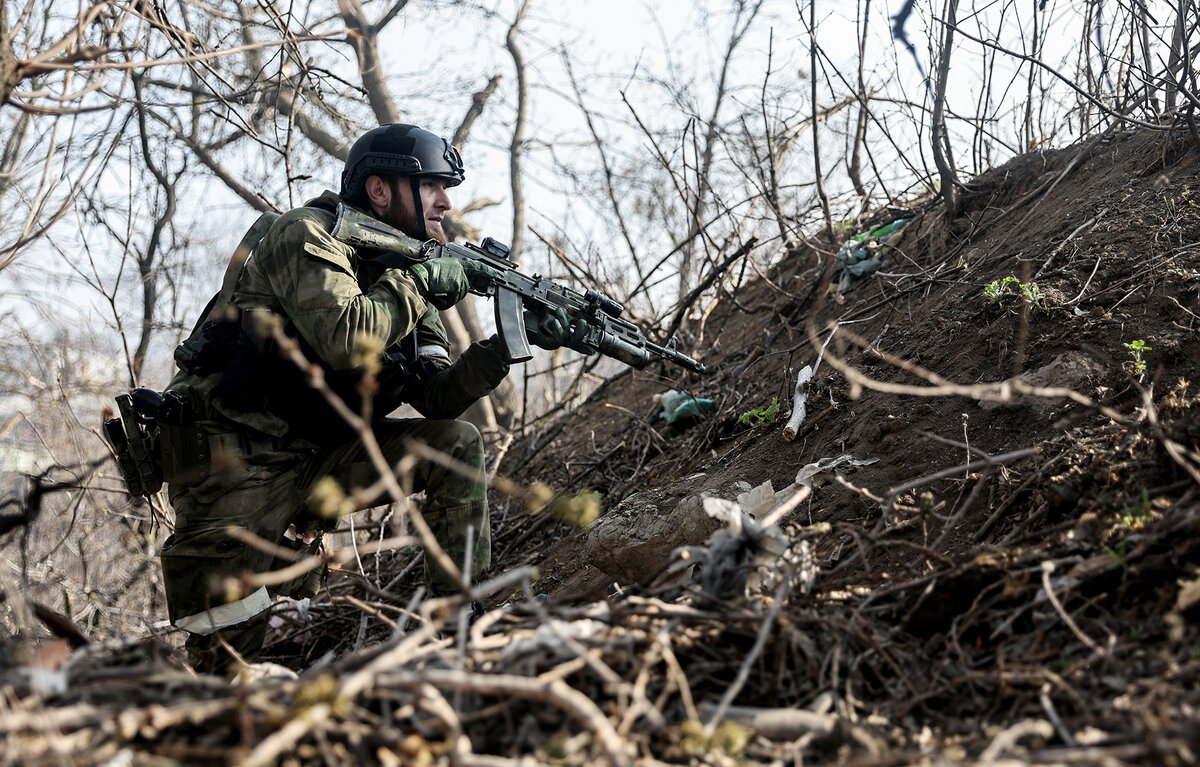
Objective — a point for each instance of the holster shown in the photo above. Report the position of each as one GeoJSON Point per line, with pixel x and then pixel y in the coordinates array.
{"type": "Point", "coordinates": [134, 439]}
{"type": "Point", "coordinates": [156, 440]}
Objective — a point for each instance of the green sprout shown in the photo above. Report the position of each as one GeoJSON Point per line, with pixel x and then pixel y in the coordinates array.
{"type": "Point", "coordinates": [997, 290]}
{"type": "Point", "coordinates": [1136, 365]}
{"type": "Point", "coordinates": [1138, 514]}
{"type": "Point", "coordinates": [1118, 554]}
{"type": "Point", "coordinates": [1031, 295]}
{"type": "Point", "coordinates": [760, 416]}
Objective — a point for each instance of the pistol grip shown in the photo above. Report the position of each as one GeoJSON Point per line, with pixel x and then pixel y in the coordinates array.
{"type": "Point", "coordinates": [510, 321]}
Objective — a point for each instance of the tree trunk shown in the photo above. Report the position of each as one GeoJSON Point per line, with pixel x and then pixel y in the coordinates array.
{"type": "Point", "coordinates": [365, 39]}
{"type": "Point", "coordinates": [860, 126]}
{"type": "Point", "coordinates": [8, 59]}
{"type": "Point", "coordinates": [687, 265]}
{"type": "Point", "coordinates": [516, 149]}
{"type": "Point", "coordinates": [817, 175]}
{"type": "Point", "coordinates": [1175, 58]}
{"type": "Point", "coordinates": [942, 156]}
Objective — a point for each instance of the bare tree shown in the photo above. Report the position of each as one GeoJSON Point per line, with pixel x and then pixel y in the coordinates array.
{"type": "Point", "coordinates": [942, 151]}
{"type": "Point", "coordinates": [818, 177]}
{"type": "Point", "coordinates": [516, 148]}
{"type": "Point", "coordinates": [744, 15]}
{"type": "Point", "coordinates": [854, 169]}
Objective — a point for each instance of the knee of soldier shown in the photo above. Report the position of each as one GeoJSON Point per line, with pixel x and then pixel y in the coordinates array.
{"type": "Point", "coordinates": [460, 440]}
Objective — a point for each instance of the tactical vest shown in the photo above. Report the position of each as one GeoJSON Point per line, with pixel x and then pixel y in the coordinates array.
{"type": "Point", "coordinates": [256, 375]}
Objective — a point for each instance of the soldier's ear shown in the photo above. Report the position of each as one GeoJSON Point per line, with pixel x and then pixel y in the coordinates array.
{"type": "Point", "coordinates": [379, 193]}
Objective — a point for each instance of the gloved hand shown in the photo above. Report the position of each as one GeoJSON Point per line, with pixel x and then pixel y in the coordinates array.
{"type": "Point", "coordinates": [553, 330]}
{"type": "Point", "coordinates": [445, 281]}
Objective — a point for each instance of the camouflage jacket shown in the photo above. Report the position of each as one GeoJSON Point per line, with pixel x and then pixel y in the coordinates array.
{"type": "Point", "coordinates": [331, 297]}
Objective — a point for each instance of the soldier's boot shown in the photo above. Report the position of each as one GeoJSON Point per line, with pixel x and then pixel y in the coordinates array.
{"type": "Point", "coordinates": [208, 655]}
{"type": "Point", "coordinates": [450, 528]}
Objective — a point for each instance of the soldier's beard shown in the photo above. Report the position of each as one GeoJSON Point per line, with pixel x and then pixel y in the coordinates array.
{"type": "Point", "coordinates": [404, 218]}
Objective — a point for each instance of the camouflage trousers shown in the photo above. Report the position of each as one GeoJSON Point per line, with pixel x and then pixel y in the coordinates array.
{"type": "Point", "coordinates": [265, 491]}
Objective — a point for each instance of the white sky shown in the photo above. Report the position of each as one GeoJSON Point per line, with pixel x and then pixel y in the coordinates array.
{"type": "Point", "coordinates": [436, 58]}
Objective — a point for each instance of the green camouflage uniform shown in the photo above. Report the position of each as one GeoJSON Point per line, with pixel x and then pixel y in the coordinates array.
{"type": "Point", "coordinates": [269, 450]}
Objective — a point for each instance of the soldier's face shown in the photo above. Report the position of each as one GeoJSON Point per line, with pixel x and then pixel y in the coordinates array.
{"type": "Point", "coordinates": [434, 203]}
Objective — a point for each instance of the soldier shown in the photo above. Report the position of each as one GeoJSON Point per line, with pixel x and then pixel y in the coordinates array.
{"type": "Point", "coordinates": [267, 437]}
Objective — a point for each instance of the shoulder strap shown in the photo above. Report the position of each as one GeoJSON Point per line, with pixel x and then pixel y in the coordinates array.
{"type": "Point", "coordinates": [207, 348]}
{"type": "Point", "coordinates": [241, 256]}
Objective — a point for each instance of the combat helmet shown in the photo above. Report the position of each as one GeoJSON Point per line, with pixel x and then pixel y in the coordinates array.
{"type": "Point", "coordinates": [398, 149]}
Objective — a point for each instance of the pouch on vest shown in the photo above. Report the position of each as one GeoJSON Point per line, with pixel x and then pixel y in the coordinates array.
{"type": "Point", "coordinates": [184, 447]}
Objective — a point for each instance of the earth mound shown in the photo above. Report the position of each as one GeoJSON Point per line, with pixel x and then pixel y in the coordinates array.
{"type": "Point", "coordinates": [983, 543]}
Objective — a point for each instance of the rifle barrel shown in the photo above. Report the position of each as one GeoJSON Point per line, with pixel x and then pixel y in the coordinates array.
{"type": "Point", "coordinates": [678, 358]}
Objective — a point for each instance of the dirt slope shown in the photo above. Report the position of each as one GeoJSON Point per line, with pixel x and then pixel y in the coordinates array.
{"type": "Point", "coordinates": [1120, 218]}
{"type": "Point", "coordinates": [1013, 579]}
{"type": "Point", "coordinates": [1109, 231]}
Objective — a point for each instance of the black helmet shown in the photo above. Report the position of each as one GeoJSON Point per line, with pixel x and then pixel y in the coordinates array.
{"type": "Point", "coordinates": [399, 150]}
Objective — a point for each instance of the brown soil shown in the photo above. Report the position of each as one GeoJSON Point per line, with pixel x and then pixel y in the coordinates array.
{"type": "Point", "coordinates": [1006, 582]}
{"type": "Point", "coordinates": [1110, 230]}
{"type": "Point", "coordinates": [1137, 202]}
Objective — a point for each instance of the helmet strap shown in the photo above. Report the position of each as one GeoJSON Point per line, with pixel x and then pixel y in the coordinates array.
{"type": "Point", "coordinates": [415, 182]}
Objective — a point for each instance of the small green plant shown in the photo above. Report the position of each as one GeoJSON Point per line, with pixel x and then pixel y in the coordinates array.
{"type": "Point", "coordinates": [1138, 514]}
{"type": "Point", "coordinates": [1137, 364]}
{"type": "Point", "coordinates": [997, 290]}
{"type": "Point", "coordinates": [760, 416]}
{"type": "Point", "coordinates": [1185, 199]}
{"type": "Point", "coordinates": [1031, 294]}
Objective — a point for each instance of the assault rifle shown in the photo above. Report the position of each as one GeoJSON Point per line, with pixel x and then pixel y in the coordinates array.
{"type": "Point", "coordinates": [513, 292]}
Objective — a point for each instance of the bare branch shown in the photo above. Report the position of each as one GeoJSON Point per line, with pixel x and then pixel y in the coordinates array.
{"type": "Point", "coordinates": [608, 172]}
{"type": "Point", "coordinates": [391, 14]}
{"type": "Point", "coordinates": [942, 155]}
{"type": "Point", "coordinates": [817, 175]}
{"type": "Point", "coordinates": [479, 100]}
{"type": "Point", "coordinates": [516, 148]}
{"type": "Point", "coordinates": [365, 39]}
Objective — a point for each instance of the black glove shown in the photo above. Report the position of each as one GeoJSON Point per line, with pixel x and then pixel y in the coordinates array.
{"type": "Point", "coordinates": [553, 330]}
{"type": "Point", "coordinates": [445, 281]}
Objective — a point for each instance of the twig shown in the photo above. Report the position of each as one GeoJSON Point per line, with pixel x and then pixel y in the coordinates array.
{"type": "Point", "coordinates": [366, 435]}
{"type": "Point", "coordinates": [1001, 391]}
{"type": "Point", "coordinates": [555, 693]}
{"type": "Point", "coordinates": [781, 595]}
{"type": "Point", "coordinates": [1047, 568]}
{"type": "Point", "coordinates": [1086, 224]}
{"type": "Point", "coordinates": [1082, 290]}
{"type": "Point", "coordinates": [685, 303]}
{"type": "Point", "coordinates": [268, 751]}
{"type": "Point", "coordinates": [967, 467]}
